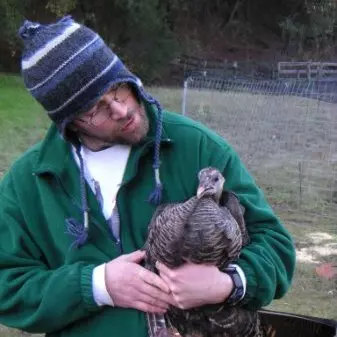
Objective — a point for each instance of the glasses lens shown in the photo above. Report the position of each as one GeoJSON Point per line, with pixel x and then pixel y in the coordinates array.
{"type": "Point", "coordinates": [103, 111]}
{"type": "Point", "coordinates": [122, 92]}
{"type": "Point", "coordinates": [101, 116]}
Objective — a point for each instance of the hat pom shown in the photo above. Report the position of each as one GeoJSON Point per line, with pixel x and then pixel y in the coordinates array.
{"type": "Point", "coordinates": [28, 29]}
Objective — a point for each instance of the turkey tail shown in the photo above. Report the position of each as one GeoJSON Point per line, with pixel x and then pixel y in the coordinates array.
{"type": "Point", "coordinates": [157, 325]}
{"type": "Point", "coordinates": [283, 324]}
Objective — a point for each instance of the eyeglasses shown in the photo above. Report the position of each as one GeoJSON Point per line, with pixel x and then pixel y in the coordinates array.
{"type": "Point", "coordinates": [102, 110]}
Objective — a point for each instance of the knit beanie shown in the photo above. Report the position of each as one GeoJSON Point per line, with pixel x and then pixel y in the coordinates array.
{"type": "Point", "coordinates": [67, 67]}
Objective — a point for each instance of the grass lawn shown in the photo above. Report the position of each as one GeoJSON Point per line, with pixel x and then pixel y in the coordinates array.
{"type": "Point", "coordinates": [21, 120]}
{"type": "Point", "coordinates": [303, 195]}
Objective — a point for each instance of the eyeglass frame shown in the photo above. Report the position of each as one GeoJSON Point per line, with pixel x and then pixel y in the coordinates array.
{"type": "Point", "coordinates": [107, 106]}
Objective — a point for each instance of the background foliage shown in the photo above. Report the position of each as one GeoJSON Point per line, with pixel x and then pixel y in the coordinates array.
{"type": "Point", "coordinates": [150, 34]}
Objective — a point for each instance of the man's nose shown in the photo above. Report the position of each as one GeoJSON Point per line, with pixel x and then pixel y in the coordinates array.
{"type": "Point", "coordinates": [119, 109]}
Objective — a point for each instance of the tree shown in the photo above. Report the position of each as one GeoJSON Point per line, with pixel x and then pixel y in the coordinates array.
{"type": "Point", "coordinates": [311, 27]}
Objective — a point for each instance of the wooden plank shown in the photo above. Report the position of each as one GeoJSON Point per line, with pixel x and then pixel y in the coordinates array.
{"type": "Point", "coordinates": [310, 69]}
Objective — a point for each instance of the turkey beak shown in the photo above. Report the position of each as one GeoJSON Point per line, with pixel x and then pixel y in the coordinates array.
{"type": "Point", "coordinates": [201, 191]}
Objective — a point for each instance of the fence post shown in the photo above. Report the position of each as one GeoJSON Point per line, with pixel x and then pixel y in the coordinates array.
{"type": "Point", "coordinates": [183, 108]}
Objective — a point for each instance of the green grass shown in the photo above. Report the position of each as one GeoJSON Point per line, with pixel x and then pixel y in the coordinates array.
{"type": "Point", "coordinates": [22, 121]}
{"type": "Point", "coordinates": [272, 137]}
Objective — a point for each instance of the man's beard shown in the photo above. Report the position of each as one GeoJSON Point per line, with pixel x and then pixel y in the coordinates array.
{"type": "Point", "coordinates": [139, 133]}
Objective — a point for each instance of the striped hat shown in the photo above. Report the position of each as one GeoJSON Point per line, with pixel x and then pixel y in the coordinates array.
{"type": "Point", "coordinates": [67, 67]}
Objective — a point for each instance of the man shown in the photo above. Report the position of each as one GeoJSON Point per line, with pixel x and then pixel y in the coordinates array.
{"type": "Point", "coordinates": [74, 209]}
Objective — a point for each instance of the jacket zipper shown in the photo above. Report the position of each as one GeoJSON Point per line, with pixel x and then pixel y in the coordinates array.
{"type": "Point", "coordinates": [141, 153]}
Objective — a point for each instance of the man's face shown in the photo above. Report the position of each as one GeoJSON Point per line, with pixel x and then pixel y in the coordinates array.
{"type": "Point", "coordinates": [117, 117]}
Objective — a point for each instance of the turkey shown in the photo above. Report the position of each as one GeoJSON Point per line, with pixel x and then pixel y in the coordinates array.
{"type": "Point", "coordinates": [207, 228]}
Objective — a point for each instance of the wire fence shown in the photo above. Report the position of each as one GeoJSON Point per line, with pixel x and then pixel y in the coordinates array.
{"type": "Point", "coordinates": [285, 131]}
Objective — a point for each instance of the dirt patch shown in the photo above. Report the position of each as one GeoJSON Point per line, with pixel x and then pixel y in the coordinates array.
{"type": "Point", "coordinates": [318, 237]}
{"type": "Point", "coordinates": [320, 245]}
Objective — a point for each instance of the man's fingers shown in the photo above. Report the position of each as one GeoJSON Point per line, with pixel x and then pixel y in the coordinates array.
{"type": "Point", "coordinates": [168, 282]}
{"type": "Point", "coordinates": [153, 301]}
{"type": "Point", "coordinates": [162, 268]}
{"type": "Point", "coordinates": [167, 274]}
{"type": "Point", "coordinates": [142, 306]}
{"type": "Point", "coordinates": [153, 279]}
{"type": "Point", "coordinates": [154, 294]}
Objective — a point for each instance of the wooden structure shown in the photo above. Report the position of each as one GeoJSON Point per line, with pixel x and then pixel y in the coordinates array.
{"type": "Point", "coordinates": [307, 70]}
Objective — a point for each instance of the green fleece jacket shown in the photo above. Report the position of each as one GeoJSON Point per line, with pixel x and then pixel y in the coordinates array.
{"type": "Point", "coordinates": [47, 287]}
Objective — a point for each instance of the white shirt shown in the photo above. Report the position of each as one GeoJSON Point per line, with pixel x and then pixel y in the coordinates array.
{"type": "Point", "coordinates": [104, 169]}
{"type": "Point", "coordinates": [107, 168]}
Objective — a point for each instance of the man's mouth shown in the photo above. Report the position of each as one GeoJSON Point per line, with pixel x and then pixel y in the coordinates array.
{"type": "Point", "coordinates": [128, 123]}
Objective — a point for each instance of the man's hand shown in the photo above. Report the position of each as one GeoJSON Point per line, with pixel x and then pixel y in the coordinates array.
{"type": "Point", "coordinates": [194, 285]}
{"type": "Point", "coordinates": [132, 286]}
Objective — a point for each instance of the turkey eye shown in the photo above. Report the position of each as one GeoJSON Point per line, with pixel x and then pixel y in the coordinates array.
{"type": "Point", "coordinates": [216, 179]}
